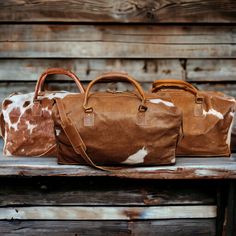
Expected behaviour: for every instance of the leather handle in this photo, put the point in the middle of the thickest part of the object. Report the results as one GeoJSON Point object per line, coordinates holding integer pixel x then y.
{"type": "Point", "coordinates": [115, 77]}
{"type": "Point", "coordinates": [159, 84]}
{"type": "Point", "coordinates": [52, 71]}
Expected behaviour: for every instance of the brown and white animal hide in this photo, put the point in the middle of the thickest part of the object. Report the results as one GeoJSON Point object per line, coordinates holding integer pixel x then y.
{"type": "Point", "coordinates": [27, 127]}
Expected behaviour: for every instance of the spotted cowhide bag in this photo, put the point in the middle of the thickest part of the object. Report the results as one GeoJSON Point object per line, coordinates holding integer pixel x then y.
{"type": "Point", "coordinates": [207, 118]}
{"type": "Point", "coordinates": [114, 127]}
{"type": "Point", "coordinates": [26, 122]}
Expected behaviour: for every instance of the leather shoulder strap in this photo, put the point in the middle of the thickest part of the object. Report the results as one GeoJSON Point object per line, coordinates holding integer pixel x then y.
{"type": "Point", "coordinates": [75, 138]}
{"type": "Point", "coordinates": [2, 126]}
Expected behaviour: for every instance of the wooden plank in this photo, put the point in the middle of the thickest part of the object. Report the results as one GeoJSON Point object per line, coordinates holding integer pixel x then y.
{"type": "Point", "coordinates": [116, 41]}
{"type": "Point", "coordinates": [88, 69]}
{"type": "Point", "coordinates": [146, 34]}
{"type": "Point", "coordinates": [185, 168]}
{"type": "Point", "coordinates": [113, 50]}
{"type": "Point", "coordinates": [210, 70]}
{"type": "Point", "coordinates": [119, 11]}
{"type": "Point", "coordinates": [172, 228]}
{"type": "Point", "coordinates": [103, 192]}
{"type": "Point", "coordinates": [177, 227]}
{"type": "Point", "coordinates": [216, 70]}
{"type": "Point", "coordinates": [106, 213]}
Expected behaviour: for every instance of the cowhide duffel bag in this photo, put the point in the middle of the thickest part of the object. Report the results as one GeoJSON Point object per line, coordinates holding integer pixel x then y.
{"type": "Point", "coordinates": [26, 123]}
{"type": "Point", "coordinates": [113, 127]}
{"type": "Point", "coordinates": [207, 118]}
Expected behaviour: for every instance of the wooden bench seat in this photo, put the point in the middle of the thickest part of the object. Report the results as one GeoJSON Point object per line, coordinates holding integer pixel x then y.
{"type": "Point", "coordinates": [142, 200]}
{"type": "Point", "coordinates": [185, 168]}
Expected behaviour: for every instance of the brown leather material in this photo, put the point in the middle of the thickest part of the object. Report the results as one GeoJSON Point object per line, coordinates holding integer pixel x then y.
{"type": "Point", "coordinates": [75, 138]}
{"type": "Point", "coordinates": [207, 118]}
{"type": "Point", "coordinates": [27, 125]}
{"type": "Point", "coordinates": [116, 128]}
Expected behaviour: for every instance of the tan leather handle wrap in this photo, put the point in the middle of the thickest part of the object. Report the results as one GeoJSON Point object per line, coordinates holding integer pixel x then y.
{"type": "Point", "coordinates": [52, 71]}
{"type": "Point", "coordinates": [75, 138]}
{"type": "Point", "coordinates": [159, 84]}
{"type": "Point", "coordinates": [173, 81]}
{"type": "Point", "coordinates": [114, 77]}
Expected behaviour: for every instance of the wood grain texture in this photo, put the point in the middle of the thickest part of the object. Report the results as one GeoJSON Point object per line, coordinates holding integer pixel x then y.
{"type": "Point", "coordinates": [211, 70]}
{"type": "Point", "coordinates": [125, 33]}
{"type": "Point", "coordinates": [119, 11]}
{"type": "Point", "coordinates": [149, 70]}
{"type": "Point", "coordinates": [103, 192]}
{"type": "Point", "coordinates": [185, 168]}
{"type": "Point", "coordinates": [113, 50]}
{"type": "Point", "coordinates": [106, 213]}
{"type": "Point", "coordinates": [116, 41]}
{"type": "Point", "coordinates": [174, 227]}
{"type": "Point", "coordinates": [88, 69]}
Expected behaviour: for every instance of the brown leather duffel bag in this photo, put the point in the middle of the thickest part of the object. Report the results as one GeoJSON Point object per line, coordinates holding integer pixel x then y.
{"type": "Point", "coordinates": [207, 118]}
{"type": "Point", "coordinates": [26, 123]}
{"type": "Point", "coordinates": [110, 128]}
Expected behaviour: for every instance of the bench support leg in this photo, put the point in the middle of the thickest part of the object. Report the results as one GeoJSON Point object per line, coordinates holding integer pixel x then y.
{"type": "Point", "coordinates": [221, 204]}
{"type": "Point", "coordinates": [231, 210]}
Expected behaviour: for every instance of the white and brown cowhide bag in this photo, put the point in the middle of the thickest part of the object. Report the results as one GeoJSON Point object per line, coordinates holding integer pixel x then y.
{"type": "Point", "coordinates": [26, 123]}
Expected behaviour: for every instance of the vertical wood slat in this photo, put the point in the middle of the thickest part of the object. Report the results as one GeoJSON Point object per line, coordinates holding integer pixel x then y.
{"type": "Point", "coordinates": [231, 210]}
{"type": "Point", "coordinates": [221, 205]}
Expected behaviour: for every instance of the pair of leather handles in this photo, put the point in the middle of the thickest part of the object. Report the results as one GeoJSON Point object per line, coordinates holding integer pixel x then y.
{"type": "Point", "coordinates": [112, 77]}
{"type": "Point", "coordinates": [108, 77]}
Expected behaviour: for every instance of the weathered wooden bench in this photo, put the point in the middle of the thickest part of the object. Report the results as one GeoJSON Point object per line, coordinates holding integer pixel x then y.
{"type": "Point", "coordinates": [39, 197]}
